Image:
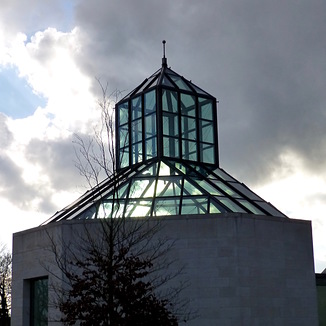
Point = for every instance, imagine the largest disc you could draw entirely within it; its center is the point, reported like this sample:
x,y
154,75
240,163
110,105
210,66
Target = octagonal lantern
x,y
167,116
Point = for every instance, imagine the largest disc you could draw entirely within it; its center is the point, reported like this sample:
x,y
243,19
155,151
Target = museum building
x,y
246,262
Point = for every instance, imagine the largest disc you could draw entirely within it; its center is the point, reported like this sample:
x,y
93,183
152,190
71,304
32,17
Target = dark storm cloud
x,y
264,61
56,159
283,98
17,191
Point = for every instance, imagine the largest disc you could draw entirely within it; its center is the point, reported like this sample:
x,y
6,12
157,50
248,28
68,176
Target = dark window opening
x,y
39,302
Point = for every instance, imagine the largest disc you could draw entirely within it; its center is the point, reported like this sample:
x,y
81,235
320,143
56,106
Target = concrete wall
x,y
243,269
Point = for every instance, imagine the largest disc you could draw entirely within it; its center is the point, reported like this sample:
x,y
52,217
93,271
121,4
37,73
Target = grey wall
x,y
243,269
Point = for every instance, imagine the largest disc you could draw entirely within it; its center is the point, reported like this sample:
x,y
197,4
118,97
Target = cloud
x,y
32,15
44,179
36,157
264,62
17,191
6,136
47,60
55,159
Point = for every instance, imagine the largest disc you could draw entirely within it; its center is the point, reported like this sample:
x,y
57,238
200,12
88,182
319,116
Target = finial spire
x,y
163,48
164,60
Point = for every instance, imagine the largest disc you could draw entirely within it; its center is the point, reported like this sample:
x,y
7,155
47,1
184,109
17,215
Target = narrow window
x,y
39,302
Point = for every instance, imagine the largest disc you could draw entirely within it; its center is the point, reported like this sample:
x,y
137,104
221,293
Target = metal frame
x,y
210,189
156,82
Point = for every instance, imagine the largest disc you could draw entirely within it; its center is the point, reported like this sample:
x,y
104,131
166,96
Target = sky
x,y
265,61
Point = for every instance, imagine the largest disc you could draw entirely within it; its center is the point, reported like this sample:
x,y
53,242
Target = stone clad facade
x,y
242,269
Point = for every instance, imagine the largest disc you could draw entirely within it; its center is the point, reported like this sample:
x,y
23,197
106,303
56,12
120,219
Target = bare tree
x,y
115,272
5,285
95,155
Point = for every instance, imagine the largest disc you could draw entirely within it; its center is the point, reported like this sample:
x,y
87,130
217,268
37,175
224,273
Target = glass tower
x,y
167,116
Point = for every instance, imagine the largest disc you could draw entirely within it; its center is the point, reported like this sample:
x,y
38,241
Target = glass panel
x,y
166,82
150,170
139,208
190,190
270,209
226,189
147,83
189,150
122,191
180,82
205,108
208,187
169,101
141,188
251,207
171,147
206,131
188,106
198,90
171,73
223,175
136,108
168,187
201,170
119,193
207,152
150,126
165,170
123,136
136,131
118,208
194,205
124,157
137,153
216,208
151,148
170,124
166,207
105,208
150,102
188,128
231,205
123,113
39,302
88,214
245,191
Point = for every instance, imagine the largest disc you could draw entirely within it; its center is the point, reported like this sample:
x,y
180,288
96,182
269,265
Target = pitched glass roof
x,y
167,77
165,188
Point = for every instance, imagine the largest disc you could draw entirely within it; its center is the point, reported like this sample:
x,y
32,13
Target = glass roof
x,y
167,159
166,188
168,78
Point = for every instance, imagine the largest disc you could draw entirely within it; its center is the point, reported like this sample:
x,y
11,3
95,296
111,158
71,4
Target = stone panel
x,y
242,269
